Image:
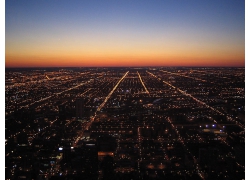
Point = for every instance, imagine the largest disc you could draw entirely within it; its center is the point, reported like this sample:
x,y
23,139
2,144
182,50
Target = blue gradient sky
x,y
125,33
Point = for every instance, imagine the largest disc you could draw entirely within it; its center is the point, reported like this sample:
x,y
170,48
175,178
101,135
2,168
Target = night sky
x,y
124,33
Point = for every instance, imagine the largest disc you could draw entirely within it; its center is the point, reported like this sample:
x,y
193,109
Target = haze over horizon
x,y
124,33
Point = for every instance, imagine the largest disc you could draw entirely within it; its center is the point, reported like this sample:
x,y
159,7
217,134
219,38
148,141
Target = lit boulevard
x,y
142,83
111,92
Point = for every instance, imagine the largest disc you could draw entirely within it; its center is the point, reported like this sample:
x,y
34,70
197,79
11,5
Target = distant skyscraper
x,y
67,153
208,158
90,163
62,113
79,108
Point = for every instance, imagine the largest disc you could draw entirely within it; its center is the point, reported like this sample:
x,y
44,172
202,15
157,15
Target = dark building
x,y
79,108
67,155
62,113
208,158
108,168
106,143
85,161
90,163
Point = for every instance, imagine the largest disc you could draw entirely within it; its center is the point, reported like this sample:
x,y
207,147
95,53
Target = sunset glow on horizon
x,y
124,33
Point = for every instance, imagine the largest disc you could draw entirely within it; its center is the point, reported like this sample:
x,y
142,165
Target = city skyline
x,y
112,33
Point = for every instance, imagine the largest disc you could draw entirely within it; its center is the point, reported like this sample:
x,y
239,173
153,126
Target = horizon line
x,y
121,67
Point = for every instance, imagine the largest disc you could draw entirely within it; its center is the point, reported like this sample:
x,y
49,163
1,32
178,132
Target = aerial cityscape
x,y
124,90
129,123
